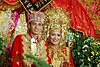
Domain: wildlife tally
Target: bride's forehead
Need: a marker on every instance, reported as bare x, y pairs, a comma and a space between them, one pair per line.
55, 31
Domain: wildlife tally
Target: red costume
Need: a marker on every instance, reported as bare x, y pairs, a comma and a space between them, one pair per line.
59, 56
21, 46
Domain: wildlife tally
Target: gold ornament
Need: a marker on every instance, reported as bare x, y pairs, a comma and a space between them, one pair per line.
56, 18
4, 6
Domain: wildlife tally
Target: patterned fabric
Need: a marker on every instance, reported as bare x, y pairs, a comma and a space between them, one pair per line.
21, 46
36, 16
11, 2
34, 5
60, 56
79, 18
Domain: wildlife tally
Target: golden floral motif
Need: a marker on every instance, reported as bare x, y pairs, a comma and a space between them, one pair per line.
58, 55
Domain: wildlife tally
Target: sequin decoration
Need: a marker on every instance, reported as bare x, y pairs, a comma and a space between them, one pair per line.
56, 18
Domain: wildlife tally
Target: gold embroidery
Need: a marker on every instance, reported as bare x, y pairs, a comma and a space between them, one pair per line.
58, 57
27, 48
41, 50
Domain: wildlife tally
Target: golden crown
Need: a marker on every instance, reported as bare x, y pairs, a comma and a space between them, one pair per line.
56, 18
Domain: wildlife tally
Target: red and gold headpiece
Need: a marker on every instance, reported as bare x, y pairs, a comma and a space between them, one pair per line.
36, 16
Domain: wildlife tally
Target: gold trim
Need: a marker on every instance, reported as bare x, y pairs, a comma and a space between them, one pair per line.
23, 6
45, 5
26, 47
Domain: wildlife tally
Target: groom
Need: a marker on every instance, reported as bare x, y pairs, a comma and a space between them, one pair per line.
29, 43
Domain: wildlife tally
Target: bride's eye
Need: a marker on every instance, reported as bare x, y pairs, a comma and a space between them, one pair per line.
58, 35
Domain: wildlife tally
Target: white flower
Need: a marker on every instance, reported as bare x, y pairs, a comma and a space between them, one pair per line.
85, 46
78, 53
85, 50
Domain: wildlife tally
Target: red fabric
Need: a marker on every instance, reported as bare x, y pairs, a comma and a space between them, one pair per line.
16, 63
71, 61
33, 1
18, 10
16, 52
63, 48
79, 18
11, 2
49, 59
33, 65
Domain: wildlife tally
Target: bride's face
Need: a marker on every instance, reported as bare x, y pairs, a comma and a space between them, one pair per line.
55, 36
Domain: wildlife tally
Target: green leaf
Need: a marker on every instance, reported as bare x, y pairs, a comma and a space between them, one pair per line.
38, 62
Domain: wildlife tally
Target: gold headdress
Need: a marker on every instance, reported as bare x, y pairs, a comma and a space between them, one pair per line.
56, 18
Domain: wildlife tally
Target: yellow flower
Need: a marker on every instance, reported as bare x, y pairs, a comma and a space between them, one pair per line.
89, 59
92, 53
0, 51
99, 61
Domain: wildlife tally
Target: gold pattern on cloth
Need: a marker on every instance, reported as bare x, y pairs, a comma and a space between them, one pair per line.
22, 25
4, 6
58, 56
27, 50
41, 50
